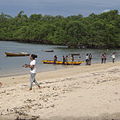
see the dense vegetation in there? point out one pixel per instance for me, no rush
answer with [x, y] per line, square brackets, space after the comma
[94, 31]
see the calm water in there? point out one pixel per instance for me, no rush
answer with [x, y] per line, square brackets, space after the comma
[12, 65]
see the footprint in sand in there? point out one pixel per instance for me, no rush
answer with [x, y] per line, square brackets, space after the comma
[116, 93]
[3, 92]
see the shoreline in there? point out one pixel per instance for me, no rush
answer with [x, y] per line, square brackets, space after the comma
[70, 71]
[45, 71]
[80, 92]
[27, 73]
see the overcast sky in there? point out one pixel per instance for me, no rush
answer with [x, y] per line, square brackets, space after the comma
[58, 7]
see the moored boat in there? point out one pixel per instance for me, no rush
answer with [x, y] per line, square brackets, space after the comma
[16, 54]
[49, 51]
[61, 63]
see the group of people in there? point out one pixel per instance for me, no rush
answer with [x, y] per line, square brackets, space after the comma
[65, 58]
[88, 59]
[103, 58]
[32, 64]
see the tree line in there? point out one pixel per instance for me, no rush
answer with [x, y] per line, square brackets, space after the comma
[94, 31]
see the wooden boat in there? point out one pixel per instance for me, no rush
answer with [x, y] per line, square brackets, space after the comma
[75, 54]
[61, 63]
[16, 54]
[49, 51]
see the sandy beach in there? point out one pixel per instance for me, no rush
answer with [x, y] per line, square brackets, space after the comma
[76, 93]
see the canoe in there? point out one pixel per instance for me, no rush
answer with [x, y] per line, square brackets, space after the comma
[61, 63]
[75, 54]
[49, 51]
[16, 54]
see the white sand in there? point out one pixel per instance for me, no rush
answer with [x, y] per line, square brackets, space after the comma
[75, 92]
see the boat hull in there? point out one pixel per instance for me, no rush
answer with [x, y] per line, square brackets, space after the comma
[15, 54]
[49, 51]
[61, 63]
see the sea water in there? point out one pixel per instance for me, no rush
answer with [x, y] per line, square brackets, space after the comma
[13, 65]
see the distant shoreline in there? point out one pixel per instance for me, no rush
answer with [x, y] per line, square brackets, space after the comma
[81, 47]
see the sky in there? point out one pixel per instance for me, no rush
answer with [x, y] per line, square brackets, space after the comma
[58, 7]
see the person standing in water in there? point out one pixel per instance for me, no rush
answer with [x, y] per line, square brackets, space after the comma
[55, 59]
[90, 58]
[87, 59]
[102, 58]
[32, 67]
[72, 58]
[64, 59]
[105, 57]
[113, 57]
